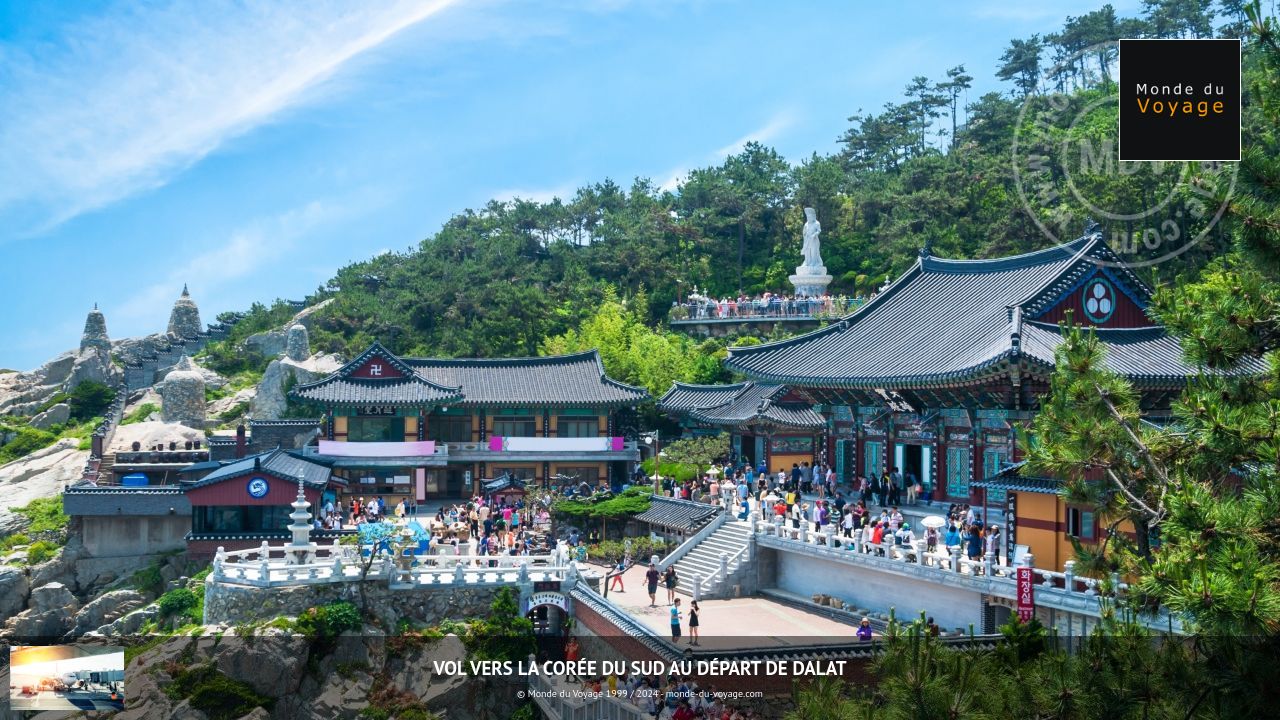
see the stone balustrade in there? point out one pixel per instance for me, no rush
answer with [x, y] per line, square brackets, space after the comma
[297, 565]
[1062, 590]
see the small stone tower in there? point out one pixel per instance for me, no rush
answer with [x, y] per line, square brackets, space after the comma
[95, 332]
[184, 321]
[182, 397]
[297, 344]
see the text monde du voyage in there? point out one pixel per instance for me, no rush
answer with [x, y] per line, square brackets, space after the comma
[1181, 99]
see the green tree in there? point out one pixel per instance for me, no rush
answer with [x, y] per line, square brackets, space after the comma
[698, 452]
[1021, 64]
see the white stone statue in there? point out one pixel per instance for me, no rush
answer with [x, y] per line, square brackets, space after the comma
[811, 278]
[812, 246]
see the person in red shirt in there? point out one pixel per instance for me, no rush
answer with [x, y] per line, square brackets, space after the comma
[683, 712]
[780, 508]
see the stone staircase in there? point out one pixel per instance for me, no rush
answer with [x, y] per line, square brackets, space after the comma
[108, 462]
[704, 559]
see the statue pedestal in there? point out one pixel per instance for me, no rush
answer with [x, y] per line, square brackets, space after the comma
[811, 281]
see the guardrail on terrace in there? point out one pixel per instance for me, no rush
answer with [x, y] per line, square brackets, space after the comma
[282, 566]
[1063, 590]
[952, 562]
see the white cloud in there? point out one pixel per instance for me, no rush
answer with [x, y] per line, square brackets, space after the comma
[129, 99]
[771, 129]
[564, 191]
[246, 251]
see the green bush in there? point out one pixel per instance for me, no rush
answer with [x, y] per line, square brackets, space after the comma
[141, 413]
[26, 441]
[90, 398]
[148, 579]
[641, 548]
[14, 540]
[216, 695]
[41, 551]
[328, 621]
[177, 601]
[44, 514]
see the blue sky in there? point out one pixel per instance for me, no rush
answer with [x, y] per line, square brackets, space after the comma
[252, 149]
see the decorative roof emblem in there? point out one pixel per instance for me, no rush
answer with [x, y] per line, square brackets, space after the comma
[1099, 300]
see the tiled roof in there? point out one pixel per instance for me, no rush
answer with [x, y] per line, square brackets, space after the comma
[276, 462]
[341, 388]
[683, 397]
[945, 321]
[1140, 353]
[125, 501]
[556, 380]
[739, 405]
[407, 391]
[1011, 478]
[673, 513]
[755, 405]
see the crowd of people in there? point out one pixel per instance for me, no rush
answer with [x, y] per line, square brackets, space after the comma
[748, 492]
[768, 304]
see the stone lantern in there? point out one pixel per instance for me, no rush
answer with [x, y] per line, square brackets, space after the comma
[300, 549]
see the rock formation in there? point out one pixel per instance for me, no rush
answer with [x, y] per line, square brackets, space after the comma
[184, 319]
[271, 401]
[57, 415]
[95, 332]
[23, 393]
[297, 345]
[183, 395]
[38, 475]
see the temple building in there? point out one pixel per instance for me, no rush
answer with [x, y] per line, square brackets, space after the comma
[766, 423]
[418, 428]
[941, 373]
[240, 504]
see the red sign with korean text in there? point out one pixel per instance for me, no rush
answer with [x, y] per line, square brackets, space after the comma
[1026, 595]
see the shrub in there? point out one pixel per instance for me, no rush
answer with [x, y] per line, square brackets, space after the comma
[44, 514]
[141, 413]
[26, 441]
[90, 398]
[14, 540]
[177, 601]
[216, 695]
[41, 551]
[328, 621]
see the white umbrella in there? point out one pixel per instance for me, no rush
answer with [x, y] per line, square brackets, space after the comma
[714, 471]
[934, 521]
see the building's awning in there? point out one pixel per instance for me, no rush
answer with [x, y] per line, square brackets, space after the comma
[677, 514]
[1012, 480]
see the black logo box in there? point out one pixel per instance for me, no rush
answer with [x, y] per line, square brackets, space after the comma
[1158, 74]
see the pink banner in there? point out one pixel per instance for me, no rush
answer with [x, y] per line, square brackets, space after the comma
[377, 449]
[1026, 595]
[563, 445]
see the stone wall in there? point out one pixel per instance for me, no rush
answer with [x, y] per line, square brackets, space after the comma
[952, 607]
[239, 604]
[109, 537]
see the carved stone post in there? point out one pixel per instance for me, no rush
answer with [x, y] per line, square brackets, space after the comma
[1069, 576]
[955, 559]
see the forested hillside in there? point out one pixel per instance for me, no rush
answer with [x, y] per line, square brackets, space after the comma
[931, 170]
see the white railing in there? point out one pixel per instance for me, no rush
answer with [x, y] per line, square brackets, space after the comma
[692, 541]
[728, 566]
[857, 549]
[561, 700]
[283, 566]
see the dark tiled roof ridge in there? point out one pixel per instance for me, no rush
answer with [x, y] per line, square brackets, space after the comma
[1044, 256]
[524, 360]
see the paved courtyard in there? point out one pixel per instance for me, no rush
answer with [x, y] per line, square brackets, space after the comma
[734, 623]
